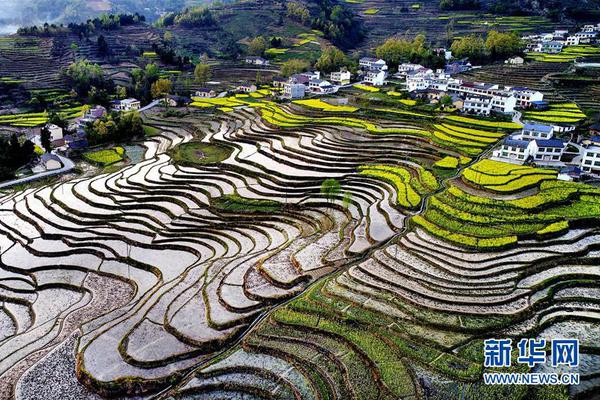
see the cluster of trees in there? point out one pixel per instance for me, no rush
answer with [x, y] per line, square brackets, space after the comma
[398, 50]
[88, 81]
[14, 155]
[115, 127]
[84, 29]
[294, 66]
[260, 44]
[460, 4]
[202, 73]
[196, 17]
[496, 46]
[338, 23]
[331, 59]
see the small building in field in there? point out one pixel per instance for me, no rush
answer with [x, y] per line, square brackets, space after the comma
[175, 101]
[540, 105]
[254, 60]
[279, 81]
[516, 60]
[50, 162]
[130, 104]
[246, 87]
[341, 77]
[56, 132]
[205, 93]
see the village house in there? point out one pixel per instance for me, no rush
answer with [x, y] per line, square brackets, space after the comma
[56, 132]
[514, 150]
[590, 162]
[278, 82]
[246, 87]
[501, 102]
[205, 93]
[405, 68]
[293, 90]
[47, 162]
[376, 77]
[320, 86]
[537, 131]
[175, 101]
[526, 96]
[341, 77]
[311, 75]
[126, 105]
[254, 60]
[368, 63]
[516, 60]
[548, 151]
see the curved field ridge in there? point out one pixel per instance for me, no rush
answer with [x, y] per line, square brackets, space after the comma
[159, 267]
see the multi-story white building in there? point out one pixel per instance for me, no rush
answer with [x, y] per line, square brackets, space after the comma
[590, 162]
[320, 86]
[504, 102]
[292, 90]
[515, 151]
[372, 63]
[126, 105]
[537, 131]
[341, 77]
[526, 96]
[548, 151]
[475, 104]
[376, 77]
[311, 74]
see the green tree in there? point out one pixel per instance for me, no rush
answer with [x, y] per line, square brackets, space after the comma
[45, 138]
[446, 101]
[294, 66]
[258, 46]
[121, 92]
[331, 59]
[503, 44]
[347, 200]
[330, 188]
[472, 47]
[161, 88]
[398, 50]
[202, 73]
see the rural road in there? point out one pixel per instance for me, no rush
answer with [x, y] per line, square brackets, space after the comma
[67, 166]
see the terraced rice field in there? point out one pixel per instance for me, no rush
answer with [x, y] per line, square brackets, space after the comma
[237, 278]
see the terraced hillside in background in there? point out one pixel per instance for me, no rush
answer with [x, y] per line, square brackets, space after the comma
[231, 274]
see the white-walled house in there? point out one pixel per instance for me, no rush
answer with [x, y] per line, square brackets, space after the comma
[56, 132]
[480, 105]
[205, 93]
[376, 77]
[515, 151]
[526, 96]
[341, 77]
[504, 103]
[548, 151]
[372, 63]
[130, 104]
[311, 74]
[293, 90]
[321, 86]
[590, 162]
[257, 61]
[537, 131]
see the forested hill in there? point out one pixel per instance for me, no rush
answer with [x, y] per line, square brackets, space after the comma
[17, 13]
